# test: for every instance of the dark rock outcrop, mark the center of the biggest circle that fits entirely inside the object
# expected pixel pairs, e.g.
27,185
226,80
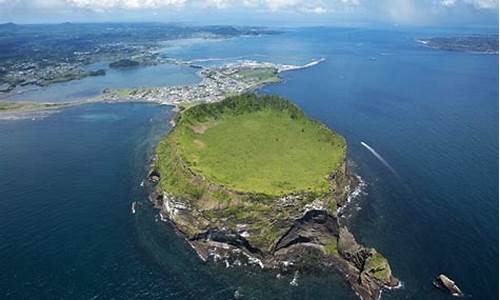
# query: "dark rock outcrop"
292,232
442,281
227,237
314,241
124,63
315,226
154,176
100,72
316,235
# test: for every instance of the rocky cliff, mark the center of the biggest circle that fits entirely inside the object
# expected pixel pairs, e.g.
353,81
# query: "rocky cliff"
289,232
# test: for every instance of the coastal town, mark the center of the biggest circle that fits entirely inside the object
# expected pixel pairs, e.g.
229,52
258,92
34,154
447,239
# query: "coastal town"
48,71
32,55
216,84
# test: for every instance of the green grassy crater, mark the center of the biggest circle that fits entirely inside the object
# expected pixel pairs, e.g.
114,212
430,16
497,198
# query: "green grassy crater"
263,145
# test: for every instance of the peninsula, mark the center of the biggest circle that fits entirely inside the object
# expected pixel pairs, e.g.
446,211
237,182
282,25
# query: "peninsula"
486,44
251,180
28,106
216,83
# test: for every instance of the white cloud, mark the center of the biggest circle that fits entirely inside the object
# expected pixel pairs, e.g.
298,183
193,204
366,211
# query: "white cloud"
421,12
280,4
251,3
398,11
478,4
311,6
218,3
484,4
315,10
351,2
448,3
401,11
125,4
391,7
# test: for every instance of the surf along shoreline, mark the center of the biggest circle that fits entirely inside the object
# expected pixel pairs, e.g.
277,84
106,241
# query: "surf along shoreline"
268,73
312,228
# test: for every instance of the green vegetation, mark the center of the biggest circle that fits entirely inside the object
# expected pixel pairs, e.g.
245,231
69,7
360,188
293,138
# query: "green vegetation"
261,145
331,246
124,63
7,106
123,93
27,106
230,160
331,206
378,266
259,74
474,43
251,166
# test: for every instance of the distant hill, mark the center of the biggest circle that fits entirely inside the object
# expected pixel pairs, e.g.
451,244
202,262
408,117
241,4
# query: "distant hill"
473,43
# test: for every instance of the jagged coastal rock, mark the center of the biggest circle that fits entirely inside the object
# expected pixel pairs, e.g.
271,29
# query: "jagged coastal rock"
442,281
251,180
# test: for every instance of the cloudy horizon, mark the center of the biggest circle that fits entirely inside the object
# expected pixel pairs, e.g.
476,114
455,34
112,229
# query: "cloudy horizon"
256,12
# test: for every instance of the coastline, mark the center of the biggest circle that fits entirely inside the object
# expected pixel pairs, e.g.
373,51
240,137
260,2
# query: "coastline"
113,95
236,258
233,249
367,90
459,44
203,248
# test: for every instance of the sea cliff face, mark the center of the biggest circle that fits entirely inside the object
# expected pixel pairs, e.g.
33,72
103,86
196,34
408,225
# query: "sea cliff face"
297,231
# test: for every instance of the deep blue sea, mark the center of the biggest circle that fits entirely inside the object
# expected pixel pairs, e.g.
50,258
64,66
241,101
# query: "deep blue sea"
68,179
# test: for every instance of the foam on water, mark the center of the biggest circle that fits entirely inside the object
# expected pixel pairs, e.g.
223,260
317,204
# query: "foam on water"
64,180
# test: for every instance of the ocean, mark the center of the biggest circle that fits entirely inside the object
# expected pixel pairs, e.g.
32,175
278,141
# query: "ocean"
429,204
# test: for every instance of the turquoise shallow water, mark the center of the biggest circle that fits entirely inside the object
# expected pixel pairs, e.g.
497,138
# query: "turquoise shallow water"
68,180
150,76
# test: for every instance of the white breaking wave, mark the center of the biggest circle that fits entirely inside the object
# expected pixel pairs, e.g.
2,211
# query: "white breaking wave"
360,189
295,280
380,158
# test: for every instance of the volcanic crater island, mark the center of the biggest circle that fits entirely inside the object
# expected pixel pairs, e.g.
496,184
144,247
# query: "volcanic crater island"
245,179
251,180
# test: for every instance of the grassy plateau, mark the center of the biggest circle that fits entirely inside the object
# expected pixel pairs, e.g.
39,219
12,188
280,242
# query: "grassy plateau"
252,144
227,166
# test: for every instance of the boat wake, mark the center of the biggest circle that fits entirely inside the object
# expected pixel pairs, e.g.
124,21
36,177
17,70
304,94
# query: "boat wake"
380,158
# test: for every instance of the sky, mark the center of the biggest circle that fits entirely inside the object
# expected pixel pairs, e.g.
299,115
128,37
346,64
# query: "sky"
257,12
